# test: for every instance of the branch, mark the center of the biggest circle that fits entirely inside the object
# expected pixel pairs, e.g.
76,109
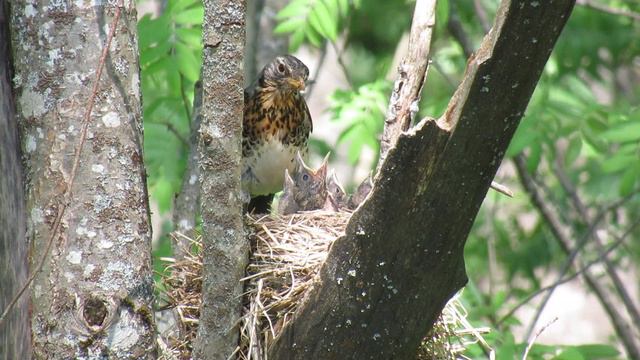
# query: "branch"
186,202
401,259
312,82
225,248
608,9
412,74
533,339
570,189
483,18
454,26
564,240
343,66
562,279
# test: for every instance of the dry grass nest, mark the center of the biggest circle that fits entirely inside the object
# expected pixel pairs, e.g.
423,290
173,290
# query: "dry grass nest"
287,252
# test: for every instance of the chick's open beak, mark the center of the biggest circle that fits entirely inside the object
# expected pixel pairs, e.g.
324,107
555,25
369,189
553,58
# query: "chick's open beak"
297,83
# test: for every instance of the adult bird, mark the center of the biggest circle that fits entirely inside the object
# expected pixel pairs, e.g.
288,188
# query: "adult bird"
276,125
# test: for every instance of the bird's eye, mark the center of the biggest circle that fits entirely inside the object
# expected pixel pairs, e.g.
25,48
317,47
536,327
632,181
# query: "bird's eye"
281,68
305,177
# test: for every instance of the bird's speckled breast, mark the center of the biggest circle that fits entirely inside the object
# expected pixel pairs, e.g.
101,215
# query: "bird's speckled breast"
263,173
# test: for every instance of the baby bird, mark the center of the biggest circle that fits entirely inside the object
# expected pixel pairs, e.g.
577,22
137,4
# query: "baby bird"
361,193
306,189
336,196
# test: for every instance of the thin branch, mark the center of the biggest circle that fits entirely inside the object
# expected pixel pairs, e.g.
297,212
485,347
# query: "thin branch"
185,101
314,78
412,74
558,229
55,229
533,340
452,84
570,189
608,9
342,64
563,280
185,204
483,18
175,132
454,26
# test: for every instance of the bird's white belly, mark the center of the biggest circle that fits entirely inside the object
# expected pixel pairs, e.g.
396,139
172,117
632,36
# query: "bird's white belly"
263,173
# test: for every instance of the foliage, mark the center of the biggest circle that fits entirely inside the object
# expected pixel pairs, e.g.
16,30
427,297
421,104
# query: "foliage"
170,53
314,20
362,113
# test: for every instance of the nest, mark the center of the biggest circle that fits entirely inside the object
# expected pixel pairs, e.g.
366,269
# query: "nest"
287,252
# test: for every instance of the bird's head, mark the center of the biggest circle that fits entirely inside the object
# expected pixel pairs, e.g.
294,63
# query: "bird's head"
286,73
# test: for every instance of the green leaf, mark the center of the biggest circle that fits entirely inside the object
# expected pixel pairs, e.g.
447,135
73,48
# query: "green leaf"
535,155
190,36
355,149
524,137
289,25
187,62
178,5
629,179
321,20
153,31
344,7
294,8
597,351
193,16
594,141
627,131
296,40
149,55
312,35
573,151
163,194
570,353
442,15
618,162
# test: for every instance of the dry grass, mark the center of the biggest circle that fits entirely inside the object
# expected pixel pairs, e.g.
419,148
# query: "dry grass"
287,252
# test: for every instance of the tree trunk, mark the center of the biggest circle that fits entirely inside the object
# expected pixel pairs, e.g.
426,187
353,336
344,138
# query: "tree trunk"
14,328
386,281
88,228
225,248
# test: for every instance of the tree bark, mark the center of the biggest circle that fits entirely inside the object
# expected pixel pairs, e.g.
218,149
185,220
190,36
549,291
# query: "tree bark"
14,328
225,248
403,105
386,281
88,226
185,210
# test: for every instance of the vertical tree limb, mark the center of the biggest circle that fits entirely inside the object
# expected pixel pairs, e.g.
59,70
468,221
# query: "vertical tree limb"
15,334
225,248
185,210
403,105
89,226
388,278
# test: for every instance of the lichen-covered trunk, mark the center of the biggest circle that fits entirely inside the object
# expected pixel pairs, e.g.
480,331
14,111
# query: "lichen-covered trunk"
88,222
14,328
225,248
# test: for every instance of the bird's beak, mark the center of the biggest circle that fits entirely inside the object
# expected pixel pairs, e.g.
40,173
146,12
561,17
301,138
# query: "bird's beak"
297,83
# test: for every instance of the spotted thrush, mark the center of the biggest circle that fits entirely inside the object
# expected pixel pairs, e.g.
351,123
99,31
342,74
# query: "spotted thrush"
276,125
